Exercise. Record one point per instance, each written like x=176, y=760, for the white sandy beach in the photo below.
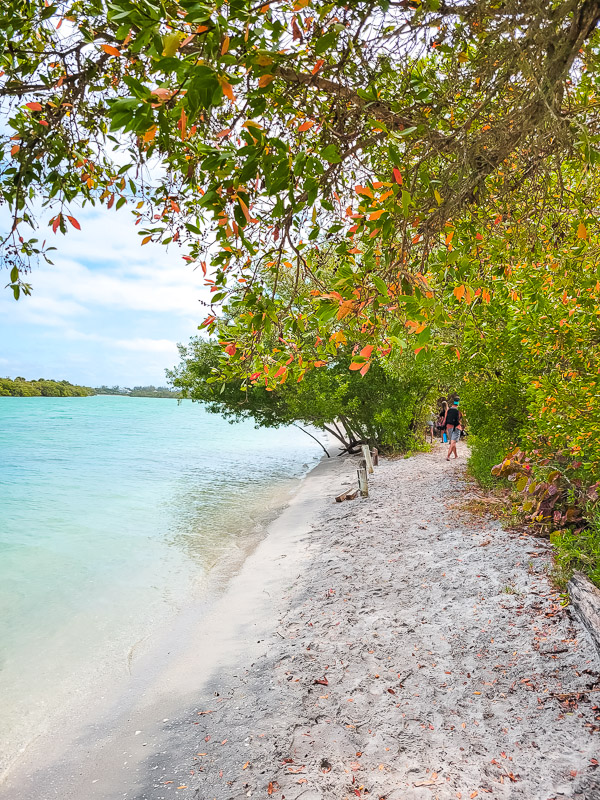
x=387, y=647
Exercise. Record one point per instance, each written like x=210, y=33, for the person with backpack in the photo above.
x=453, y=422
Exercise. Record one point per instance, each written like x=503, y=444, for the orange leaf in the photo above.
x=457, y=354
x=112, y=51
x=459, y=291
x=479, y=237
x=582, y=231
x=146, y=239
x=365, y=368
x=224, y=132
x=376, y=214
x=15, y=149
x=354, y=366
x=355, y=250
x=320, y=363
x=265, y=80
x=227, y=90
x=225, y=45
x=317, y=66
x=56, y=223
x=449, y=237
x=34, y=106
x=245, y=210
x=183, y=124
x=364, y=190
x=397, y=176
x=306, y=125
x=366, y=351
x=150, y=134
x=74, y=223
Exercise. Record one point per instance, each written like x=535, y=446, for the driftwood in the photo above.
x=347, y=495
x=375, y=456
x=585, y=598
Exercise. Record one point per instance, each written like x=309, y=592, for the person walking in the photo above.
x=430, y=426
x=453, y=422
x=441, y=421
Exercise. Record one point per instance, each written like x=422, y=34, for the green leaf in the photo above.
x=331, y=154
x=326, y=42
x=380, y=285
x=406, y=201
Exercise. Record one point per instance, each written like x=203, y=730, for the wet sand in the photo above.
x=389, y=647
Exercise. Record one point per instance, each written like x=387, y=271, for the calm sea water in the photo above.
x=113, y=513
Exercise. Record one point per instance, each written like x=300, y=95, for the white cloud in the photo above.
x=139, y=344
x=108, y=309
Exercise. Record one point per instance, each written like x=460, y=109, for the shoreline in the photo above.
x=390, y=646
x=119, y=666
x=168, y=674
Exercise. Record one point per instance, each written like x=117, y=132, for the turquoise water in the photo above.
x=114, y=511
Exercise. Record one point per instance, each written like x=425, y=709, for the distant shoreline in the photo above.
x=45, y=387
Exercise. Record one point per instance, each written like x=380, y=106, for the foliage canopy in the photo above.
x=361, y=177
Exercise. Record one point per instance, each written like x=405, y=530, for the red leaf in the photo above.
x=56, y=223
x=317, y=66
x=397, y=176
x=296, y=33
x=34, y=106
x=322, y=681
x=74, y=223
x=306, y=125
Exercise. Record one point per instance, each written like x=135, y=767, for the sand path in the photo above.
x=416, y=654
x=389, y=647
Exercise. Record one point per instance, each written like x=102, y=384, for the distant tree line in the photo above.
x=20, y=387
x=138, y=391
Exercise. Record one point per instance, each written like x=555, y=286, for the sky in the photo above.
x=109, y=311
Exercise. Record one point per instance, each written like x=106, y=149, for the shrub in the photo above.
x=578, y=551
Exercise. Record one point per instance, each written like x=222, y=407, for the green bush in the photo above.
x=578, y=551
x=485, y=453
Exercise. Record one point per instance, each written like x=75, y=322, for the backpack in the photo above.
x=453, y=417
